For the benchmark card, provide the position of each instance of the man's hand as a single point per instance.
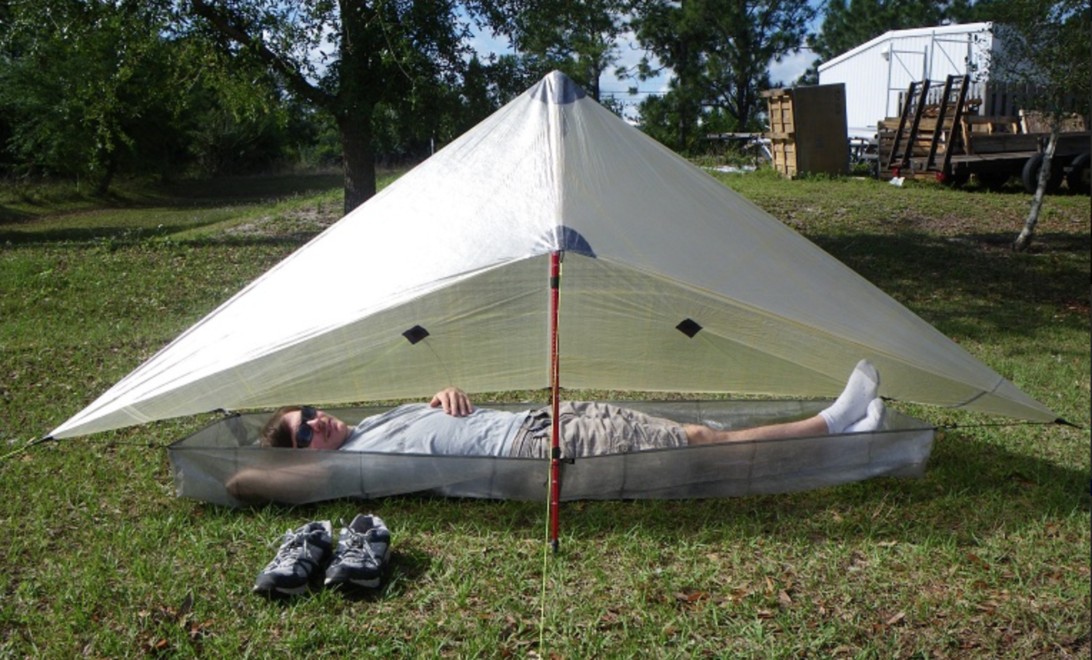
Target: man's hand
(454, 402)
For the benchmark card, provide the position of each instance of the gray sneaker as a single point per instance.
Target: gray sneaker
(363, 548)
(301, 553)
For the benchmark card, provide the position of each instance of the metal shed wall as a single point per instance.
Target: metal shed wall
(877, 72)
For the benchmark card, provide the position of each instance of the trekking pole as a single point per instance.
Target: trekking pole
(555, 395)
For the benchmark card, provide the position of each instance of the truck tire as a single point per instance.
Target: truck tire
(1030, 175)
(1079, 177)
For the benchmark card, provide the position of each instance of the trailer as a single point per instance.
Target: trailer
(941, 135)
(876, 72)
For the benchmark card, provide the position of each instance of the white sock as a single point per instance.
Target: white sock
(873, 419)
(852, 404)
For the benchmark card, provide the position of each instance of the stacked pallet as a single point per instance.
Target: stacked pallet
(808, 130)
(886, 129)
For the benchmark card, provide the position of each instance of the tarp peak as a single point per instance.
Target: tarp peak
(556, 89)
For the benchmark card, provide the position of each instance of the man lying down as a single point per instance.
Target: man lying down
(451, 425)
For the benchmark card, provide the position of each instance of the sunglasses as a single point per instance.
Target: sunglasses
(305, 434)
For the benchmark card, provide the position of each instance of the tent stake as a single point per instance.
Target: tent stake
(555, 445)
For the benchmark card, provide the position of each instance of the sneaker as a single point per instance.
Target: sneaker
(363, 548)
(300, 554)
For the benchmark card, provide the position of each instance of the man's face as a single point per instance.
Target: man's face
(327, 432)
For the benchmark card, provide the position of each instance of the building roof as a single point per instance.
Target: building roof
(891, 35)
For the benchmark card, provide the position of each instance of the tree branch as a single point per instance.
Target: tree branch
(230, 25)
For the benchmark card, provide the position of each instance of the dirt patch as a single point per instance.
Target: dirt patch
(287, 223)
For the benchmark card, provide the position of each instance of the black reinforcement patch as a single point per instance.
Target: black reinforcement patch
(415, 334)
(689, 327)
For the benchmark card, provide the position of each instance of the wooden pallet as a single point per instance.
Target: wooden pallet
(932, 131)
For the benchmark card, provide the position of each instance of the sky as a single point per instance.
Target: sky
(785, 72)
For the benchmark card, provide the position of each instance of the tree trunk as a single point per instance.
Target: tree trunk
(357, 160)
(1028, 232)
(352, 105)
(110, 168)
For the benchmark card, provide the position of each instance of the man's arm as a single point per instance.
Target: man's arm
(289, 485)
(454, 402)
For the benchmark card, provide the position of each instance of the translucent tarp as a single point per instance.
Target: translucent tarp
(207, 461)
(460, 247)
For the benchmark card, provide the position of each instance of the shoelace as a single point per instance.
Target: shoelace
(289, 552)
(358, 545)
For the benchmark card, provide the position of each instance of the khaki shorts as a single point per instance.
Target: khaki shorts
(594, 429)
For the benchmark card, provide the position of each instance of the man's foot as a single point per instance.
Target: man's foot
(301, 553)
(873, 419)
(363, 548)
(853, 402)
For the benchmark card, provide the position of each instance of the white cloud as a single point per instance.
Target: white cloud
(791, 67)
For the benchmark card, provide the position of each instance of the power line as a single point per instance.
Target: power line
(628, 92)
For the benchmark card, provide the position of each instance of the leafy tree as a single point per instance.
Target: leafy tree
(229, 131)
(578, 38)
(676, 34)
(94, 89)
(490, 82)
(9, 49)
(745, 35)
(80, 82)
(1045, 43)
(364, 63)
(660, 119)
(719, 52)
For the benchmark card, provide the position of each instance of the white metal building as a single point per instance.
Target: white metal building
(877, 72)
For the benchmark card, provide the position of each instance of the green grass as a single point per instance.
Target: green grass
(987, 556)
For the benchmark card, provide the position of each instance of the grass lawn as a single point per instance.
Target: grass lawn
(987, 556)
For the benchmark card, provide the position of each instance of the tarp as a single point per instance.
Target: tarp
(671, 282)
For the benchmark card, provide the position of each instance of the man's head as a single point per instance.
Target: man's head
(304, 427)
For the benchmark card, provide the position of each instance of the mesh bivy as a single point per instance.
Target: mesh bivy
(206, 462)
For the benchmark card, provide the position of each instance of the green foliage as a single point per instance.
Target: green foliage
(235, 117)
(660, 118)
(676, 35)
(984, 558)
(80, 82)
(1044, 44)
(386, 74)
(744, 38)
(97, 89)
(719, 52)
(577, 38)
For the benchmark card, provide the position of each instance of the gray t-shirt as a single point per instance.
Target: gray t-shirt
(418, 428)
